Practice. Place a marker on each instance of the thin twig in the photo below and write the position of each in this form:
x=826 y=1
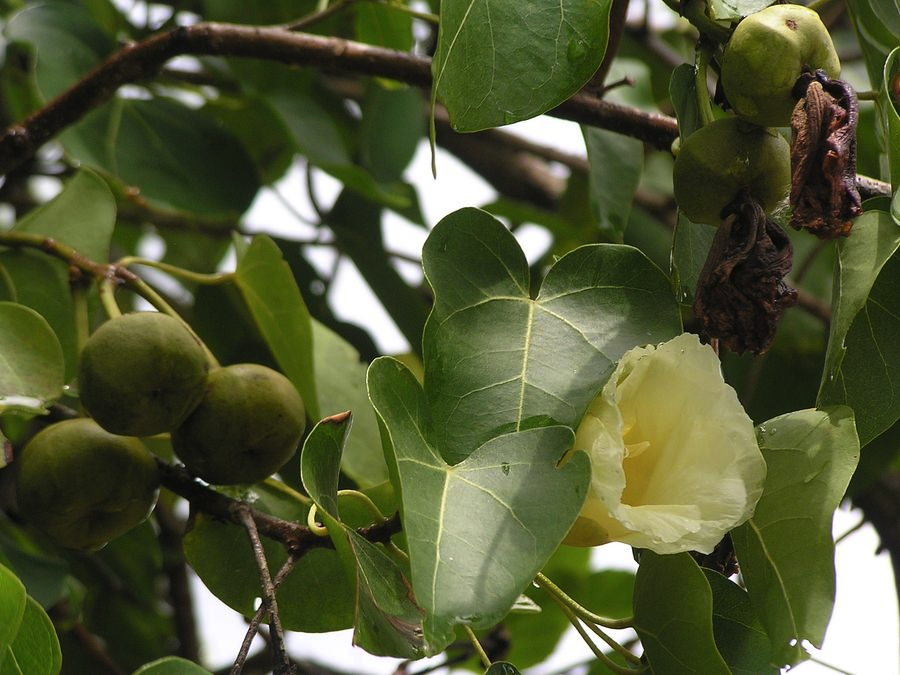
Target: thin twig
x=296 y=538
x=279 y=652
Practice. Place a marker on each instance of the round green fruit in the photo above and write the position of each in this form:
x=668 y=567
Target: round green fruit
x=766 y=54
x=84 y=486
x=717 y=162
x=142 y=374
x=247 y=426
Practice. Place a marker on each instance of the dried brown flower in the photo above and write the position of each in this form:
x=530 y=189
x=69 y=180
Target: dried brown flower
x=824 y=196
x=741 y=291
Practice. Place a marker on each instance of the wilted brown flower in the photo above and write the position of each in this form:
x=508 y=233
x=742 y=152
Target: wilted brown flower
x=741 y=291
x=824 y=196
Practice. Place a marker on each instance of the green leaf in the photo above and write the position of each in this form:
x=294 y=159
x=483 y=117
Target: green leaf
x=388 y=622
x=786 y=549
x=341 y=385
x=171 y=665
x=12 y=607
x=35 y=649
x=498 y=361
x=177 y=156
x=356 y=224
x=314 y=598
x=616 y=162
x=44 y=575
x=690 y=247
x=66 y=39
x=740 y=637
x=726 y=10
x=862 y=364
x=501 y=668
x=890 y=120
x=319 y=136
x=478 y=532
x=385 y=26
x=683 y=93
x=260 y=129
x=32 y=369
x=82 y=216
x=876 y=28
x=391 y=128
x=503 y=61
x=271 y=294
x=42 y=283
x=673 y=608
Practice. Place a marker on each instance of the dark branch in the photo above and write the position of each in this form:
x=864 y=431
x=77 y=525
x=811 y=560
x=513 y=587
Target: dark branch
x=296 y=538
x=143 y=60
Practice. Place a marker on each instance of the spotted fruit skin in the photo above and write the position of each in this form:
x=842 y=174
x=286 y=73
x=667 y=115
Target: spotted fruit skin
x=83 y=486
x=725 y=157
x=249 y=423
x=767 y=53
x=142 y=374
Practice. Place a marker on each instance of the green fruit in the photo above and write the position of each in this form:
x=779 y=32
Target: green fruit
x=84 y=486
x=142 y=374
x=767 y=53
x=247 y=426
x=717 y=162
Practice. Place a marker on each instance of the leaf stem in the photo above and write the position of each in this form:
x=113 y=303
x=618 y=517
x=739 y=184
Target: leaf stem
x=584 y=614
x=701 y=89
x=106 y=289
x=602 y=657
x=403 y=9
x=82 y=324
x=695 y=12
x=476 y=645
x=149 y=294
x=178 y=272
x=315 y=526
x=366 y=500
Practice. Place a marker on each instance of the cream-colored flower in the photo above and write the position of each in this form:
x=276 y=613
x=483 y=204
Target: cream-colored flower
x=675 y=462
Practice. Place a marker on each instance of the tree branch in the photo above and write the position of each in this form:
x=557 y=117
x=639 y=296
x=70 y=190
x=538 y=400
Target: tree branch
x=143 y=60
x=296 y=538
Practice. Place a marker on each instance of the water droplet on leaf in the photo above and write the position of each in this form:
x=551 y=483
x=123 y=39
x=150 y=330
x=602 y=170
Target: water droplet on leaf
x=576 y=49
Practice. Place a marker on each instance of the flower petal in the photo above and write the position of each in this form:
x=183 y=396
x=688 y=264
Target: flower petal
x=675 y=462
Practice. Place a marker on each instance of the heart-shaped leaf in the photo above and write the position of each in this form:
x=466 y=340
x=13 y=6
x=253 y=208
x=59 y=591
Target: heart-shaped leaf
x=35 y=648
x=497 y=360
x=862 y=364
x=502 y=61
x=786 y=549
x=740 y=637
x=673 y=616
x=479 y=531
x=271 y=294
x=388 y=622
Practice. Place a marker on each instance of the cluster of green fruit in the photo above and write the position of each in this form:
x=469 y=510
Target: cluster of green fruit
x=766 y=54
x=88 y=480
